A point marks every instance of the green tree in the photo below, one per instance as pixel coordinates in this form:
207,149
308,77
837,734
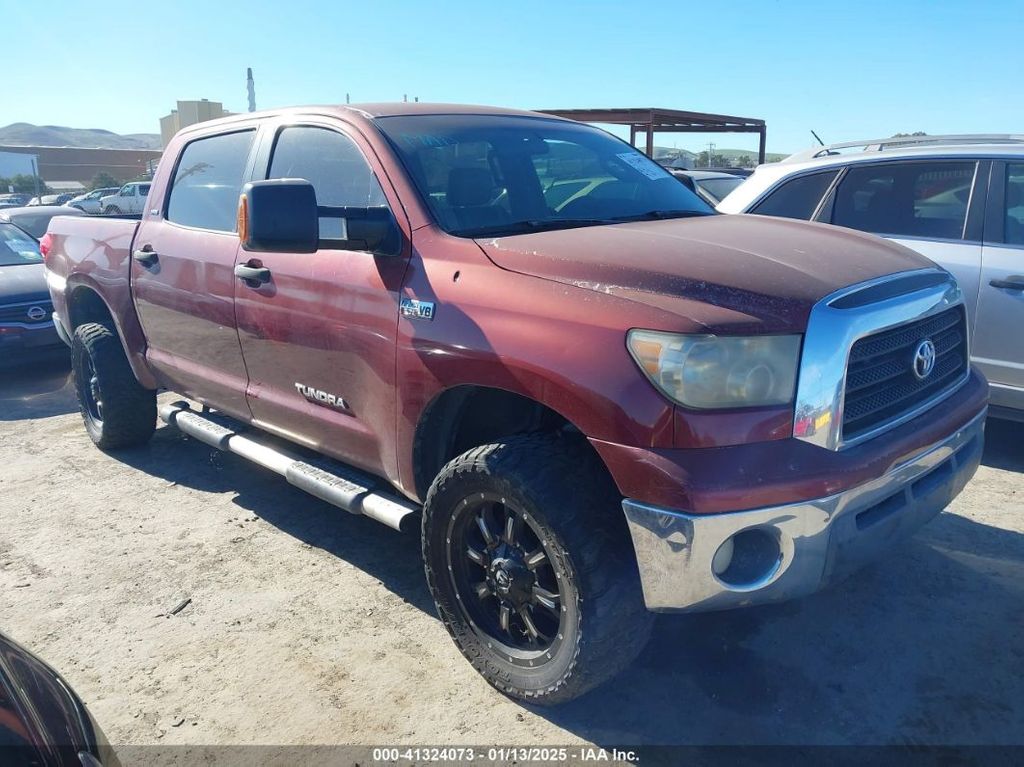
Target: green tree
24,184
103,180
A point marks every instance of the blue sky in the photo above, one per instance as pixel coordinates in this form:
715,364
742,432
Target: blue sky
848,70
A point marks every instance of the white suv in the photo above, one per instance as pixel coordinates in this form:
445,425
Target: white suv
131,198
957,200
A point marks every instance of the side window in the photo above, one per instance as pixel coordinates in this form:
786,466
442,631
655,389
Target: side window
126,191
1014,231
796,198
335,167
914,199
143,190
208,180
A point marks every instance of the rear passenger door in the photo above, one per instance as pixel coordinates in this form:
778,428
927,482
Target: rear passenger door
935,207
999,337
182,273
319,336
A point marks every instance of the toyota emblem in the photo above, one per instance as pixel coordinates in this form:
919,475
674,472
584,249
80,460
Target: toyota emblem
924,359
36,313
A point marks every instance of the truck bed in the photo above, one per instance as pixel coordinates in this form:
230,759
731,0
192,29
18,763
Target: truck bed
96,252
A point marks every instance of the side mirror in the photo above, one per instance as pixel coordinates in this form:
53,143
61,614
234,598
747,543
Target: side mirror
371,229
279,215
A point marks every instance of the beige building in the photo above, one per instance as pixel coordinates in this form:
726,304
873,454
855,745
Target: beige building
189,113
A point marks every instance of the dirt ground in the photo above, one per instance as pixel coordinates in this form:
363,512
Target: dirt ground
309,625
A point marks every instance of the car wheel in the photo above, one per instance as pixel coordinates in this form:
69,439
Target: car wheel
529,561
118,411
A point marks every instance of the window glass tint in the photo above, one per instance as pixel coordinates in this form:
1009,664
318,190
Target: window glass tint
17,248
143,190
208,181
921,199
719,187
796,198
336,168
1014,204
482,174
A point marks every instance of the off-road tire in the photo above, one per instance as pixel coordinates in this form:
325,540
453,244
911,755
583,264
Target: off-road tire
566,492
127,416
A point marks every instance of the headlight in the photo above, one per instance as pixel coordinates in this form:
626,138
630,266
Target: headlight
718,371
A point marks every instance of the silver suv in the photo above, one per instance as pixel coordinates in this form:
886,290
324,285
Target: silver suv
959,200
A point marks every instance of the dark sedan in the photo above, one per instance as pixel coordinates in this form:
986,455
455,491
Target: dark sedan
42,720
26,322
35,218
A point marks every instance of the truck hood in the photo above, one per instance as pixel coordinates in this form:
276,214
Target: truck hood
21,283
728,274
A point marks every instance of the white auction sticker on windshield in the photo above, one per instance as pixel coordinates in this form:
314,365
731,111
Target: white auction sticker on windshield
646,166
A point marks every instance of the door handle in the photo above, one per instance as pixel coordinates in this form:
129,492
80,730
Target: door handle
1014,283
253,276
145,257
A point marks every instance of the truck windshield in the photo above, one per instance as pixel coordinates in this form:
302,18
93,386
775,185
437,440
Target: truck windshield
501,174
17,247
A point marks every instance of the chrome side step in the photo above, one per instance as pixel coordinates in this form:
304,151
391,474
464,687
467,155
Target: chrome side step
343,487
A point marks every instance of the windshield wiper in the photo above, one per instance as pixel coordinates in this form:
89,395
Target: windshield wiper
533,225
657,215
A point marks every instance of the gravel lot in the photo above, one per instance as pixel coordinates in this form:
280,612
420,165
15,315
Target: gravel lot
308,625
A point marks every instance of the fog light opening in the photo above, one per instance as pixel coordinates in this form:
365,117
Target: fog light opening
748,559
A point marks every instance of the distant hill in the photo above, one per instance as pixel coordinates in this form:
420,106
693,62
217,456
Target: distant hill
26,134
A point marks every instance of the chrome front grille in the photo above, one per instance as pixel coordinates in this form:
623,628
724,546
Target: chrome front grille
856,378
881,384
35,313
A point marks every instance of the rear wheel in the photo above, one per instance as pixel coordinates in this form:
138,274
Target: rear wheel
529,562
117,410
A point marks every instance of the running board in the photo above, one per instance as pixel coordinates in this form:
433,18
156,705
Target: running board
343,487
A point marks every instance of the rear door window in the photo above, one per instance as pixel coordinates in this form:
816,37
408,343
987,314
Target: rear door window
1014,197
208,181
912,199
798,197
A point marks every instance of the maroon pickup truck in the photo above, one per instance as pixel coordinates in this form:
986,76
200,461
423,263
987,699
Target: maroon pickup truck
598,398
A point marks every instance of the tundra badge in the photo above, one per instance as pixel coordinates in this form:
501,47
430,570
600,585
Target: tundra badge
318,397
417,310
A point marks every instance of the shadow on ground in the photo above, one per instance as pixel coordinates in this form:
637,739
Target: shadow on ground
925,647
1004,445
40,390
392,557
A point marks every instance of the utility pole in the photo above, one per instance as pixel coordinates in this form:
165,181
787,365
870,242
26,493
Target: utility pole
35,173
711,151
251,87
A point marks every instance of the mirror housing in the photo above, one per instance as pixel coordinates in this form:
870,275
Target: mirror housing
279,214
373,230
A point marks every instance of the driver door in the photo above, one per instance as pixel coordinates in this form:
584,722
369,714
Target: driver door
319,335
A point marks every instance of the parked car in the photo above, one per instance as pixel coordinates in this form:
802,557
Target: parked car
957,200
13,200
26,312
35,219
42,720
712,186
90,201
627,404
130,198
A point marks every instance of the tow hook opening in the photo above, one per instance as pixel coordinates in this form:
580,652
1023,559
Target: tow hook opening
749,559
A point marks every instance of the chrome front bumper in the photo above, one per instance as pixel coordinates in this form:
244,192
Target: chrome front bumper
692,562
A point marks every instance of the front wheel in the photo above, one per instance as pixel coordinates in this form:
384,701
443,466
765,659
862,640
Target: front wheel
530,565
117,410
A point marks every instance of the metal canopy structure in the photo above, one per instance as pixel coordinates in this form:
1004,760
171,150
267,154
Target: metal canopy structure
650,120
